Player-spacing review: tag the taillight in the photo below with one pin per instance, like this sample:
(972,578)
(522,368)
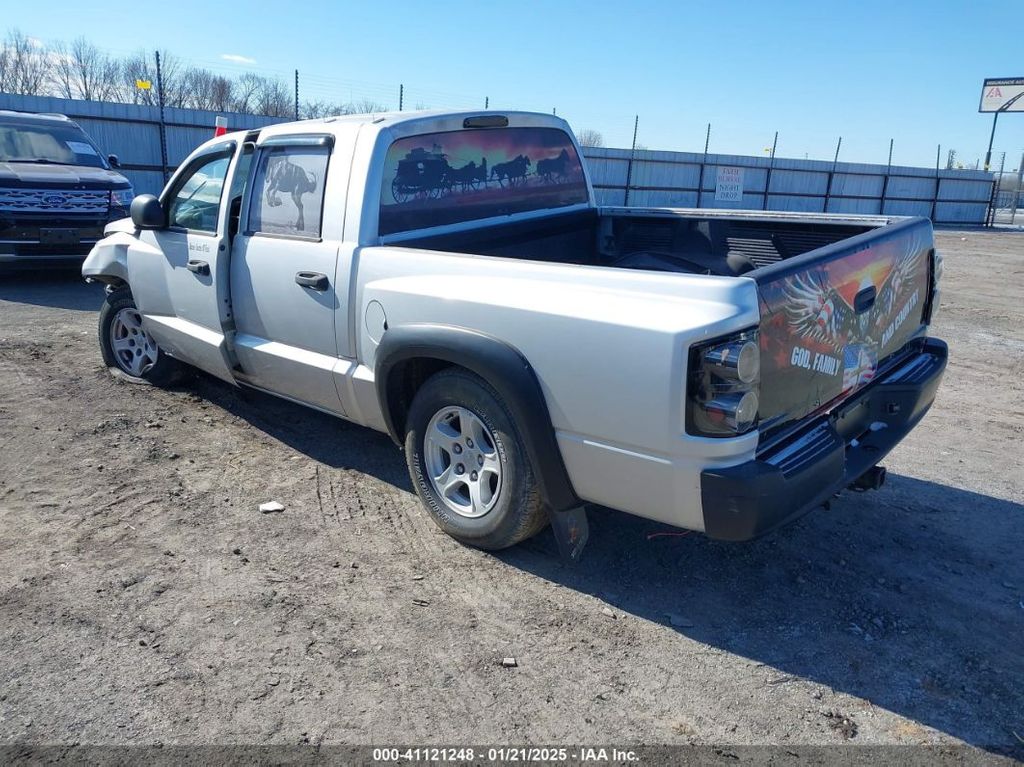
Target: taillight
(933,303)
(723,387)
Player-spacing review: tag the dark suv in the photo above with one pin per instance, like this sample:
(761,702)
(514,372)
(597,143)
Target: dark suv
(57,191)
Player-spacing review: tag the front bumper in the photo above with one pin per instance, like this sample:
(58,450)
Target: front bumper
(742,502)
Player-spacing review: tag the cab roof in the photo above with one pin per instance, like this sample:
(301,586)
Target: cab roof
(423,121)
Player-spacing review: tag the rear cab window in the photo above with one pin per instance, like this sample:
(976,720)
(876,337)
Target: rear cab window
(436,179)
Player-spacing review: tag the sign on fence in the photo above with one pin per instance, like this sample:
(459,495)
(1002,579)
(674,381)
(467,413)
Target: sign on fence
(729,186)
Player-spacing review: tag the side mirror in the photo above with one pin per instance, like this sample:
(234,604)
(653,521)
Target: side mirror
(147,213)
(113,161)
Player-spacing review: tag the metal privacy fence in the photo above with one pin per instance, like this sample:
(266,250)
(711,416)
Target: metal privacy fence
(692,180)
(132,132)
(655,178)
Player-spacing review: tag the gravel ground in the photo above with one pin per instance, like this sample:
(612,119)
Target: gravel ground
(145,599)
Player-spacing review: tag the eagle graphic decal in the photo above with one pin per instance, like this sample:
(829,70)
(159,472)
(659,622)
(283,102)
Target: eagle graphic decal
(816,345)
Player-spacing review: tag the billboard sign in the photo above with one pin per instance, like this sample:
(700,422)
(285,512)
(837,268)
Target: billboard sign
(1002,94)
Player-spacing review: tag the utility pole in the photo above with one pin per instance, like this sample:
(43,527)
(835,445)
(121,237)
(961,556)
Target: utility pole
(832,176)
(703,163)
(885,181)
(163,122)
(632,154)
(1016,191)
(487,102)
(401,96)
(296,94)
(771,166)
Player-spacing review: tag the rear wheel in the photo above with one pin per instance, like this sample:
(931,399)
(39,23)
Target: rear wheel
(468,464)
(128,350)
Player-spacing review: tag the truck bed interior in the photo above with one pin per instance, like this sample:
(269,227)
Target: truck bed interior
(666,243)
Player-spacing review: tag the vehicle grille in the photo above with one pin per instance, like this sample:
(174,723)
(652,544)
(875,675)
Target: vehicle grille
(47,200)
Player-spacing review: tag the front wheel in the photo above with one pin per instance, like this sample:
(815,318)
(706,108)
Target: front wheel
(128,350)
(468,464)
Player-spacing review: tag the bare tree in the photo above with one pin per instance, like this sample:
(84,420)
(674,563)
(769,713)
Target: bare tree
(312,110)
(274,98)
(246,88)
(367,106)
(83,71)
(317,109)
(589,137)
(171,73)
(25,65)
(204,89)
(139,67)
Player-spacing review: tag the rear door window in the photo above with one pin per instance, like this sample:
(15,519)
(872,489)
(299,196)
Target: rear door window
(288,191)
(446,178)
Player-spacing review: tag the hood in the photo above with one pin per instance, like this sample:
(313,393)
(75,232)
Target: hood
(122,225)
(60,176)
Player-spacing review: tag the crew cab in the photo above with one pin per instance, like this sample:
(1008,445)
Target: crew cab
(449,279)
(57,192)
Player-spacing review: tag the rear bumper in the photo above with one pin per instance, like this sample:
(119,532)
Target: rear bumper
(744,501)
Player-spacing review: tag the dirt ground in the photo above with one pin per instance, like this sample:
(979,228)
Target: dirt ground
(145,599)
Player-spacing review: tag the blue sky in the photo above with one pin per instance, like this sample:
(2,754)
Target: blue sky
(813,70)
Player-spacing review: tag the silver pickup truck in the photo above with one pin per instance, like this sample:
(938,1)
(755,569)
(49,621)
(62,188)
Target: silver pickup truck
(449,279)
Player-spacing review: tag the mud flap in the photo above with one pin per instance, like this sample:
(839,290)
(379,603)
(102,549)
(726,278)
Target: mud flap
(571,532)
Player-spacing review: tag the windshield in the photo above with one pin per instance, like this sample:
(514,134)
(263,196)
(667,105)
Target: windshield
(63,144)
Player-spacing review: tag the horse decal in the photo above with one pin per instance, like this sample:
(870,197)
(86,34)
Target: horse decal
(513,171)
(286,177)
(470,175)
(554,168)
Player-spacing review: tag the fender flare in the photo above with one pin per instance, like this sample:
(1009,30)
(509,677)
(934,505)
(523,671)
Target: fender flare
(504,368)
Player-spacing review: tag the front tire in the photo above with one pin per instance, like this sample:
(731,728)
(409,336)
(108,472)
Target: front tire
(128,350)
(468,464)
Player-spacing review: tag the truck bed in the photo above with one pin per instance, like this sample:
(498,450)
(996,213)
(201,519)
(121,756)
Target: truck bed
(818,345)
(698,242)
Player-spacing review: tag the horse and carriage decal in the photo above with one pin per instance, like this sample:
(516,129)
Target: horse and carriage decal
(466,175)
(431,174)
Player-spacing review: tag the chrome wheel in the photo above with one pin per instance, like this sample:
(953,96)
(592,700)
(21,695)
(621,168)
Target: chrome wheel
(135,351)
(462,461)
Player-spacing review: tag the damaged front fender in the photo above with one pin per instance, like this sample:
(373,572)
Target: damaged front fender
(107,262)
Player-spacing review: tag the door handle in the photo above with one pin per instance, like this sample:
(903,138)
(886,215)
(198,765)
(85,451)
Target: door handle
(199,267)
(313,280)
(865,299)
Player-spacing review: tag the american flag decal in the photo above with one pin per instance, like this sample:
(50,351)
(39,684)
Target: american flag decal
(859,365)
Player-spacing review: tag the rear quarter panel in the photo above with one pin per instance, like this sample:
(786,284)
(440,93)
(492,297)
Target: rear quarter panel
(609,348)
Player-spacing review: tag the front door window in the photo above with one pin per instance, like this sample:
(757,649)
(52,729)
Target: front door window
(196,203)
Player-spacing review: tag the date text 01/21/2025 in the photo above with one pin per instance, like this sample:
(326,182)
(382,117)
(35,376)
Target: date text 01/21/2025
(534,754)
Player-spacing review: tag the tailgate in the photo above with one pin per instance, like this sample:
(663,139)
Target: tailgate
(833,317)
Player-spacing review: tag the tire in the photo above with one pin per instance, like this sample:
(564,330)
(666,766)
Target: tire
(506,509)
(119,317)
